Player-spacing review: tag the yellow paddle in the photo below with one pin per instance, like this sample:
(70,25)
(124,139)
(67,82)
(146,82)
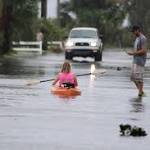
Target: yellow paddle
(92,72)
(34,82)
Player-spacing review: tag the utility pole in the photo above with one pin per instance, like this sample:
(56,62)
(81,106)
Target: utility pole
(44,9)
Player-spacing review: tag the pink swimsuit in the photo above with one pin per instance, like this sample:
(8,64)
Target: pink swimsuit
(66,77)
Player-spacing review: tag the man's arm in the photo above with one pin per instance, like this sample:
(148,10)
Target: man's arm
(142,51)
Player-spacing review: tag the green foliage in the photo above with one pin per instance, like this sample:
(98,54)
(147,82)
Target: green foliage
(65,19)
(106,15)
(22,23)
(139,11)
(24,19)
(51,29)
(17,21)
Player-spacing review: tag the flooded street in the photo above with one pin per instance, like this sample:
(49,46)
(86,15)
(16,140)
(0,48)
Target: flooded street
(31,118)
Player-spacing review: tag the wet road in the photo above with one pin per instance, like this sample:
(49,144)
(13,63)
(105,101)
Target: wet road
(31,118)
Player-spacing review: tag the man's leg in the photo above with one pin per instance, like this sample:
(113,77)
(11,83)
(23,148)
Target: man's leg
(140,88)
(137,75)
(136,84)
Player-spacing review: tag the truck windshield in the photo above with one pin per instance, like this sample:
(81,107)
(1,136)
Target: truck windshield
(83,34)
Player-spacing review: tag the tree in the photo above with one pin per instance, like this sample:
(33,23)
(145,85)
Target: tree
(106,15)
(17,20)
(6,19)
(139,12)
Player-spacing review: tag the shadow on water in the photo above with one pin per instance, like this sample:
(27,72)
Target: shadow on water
(86,64)
(137,105)
(83,61)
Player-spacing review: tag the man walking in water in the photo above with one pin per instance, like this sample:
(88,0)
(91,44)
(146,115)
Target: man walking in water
(139,58)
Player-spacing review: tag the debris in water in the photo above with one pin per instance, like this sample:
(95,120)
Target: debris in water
(128,130)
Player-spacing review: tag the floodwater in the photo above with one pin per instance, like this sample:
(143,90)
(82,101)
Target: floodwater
(31,118)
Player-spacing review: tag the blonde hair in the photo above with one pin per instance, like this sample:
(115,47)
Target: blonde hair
(66,67)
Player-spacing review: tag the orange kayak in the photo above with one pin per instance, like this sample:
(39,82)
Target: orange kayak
(60,91)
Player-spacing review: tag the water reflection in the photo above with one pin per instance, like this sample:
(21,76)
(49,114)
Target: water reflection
(93,68)
(20,66)
(137,105)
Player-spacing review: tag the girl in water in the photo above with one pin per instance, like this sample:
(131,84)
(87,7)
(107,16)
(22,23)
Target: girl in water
(66,77)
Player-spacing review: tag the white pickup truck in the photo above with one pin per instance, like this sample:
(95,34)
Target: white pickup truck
(84,42)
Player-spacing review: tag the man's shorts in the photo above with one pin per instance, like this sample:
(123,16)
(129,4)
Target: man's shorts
(137,73)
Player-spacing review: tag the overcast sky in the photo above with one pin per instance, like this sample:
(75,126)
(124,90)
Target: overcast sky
(52,8)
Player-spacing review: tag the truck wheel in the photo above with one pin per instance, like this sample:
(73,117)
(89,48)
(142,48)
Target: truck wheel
(68,55)
(98,56)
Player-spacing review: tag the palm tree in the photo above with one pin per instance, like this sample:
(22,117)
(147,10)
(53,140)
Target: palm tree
(6,25)
(1,8)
